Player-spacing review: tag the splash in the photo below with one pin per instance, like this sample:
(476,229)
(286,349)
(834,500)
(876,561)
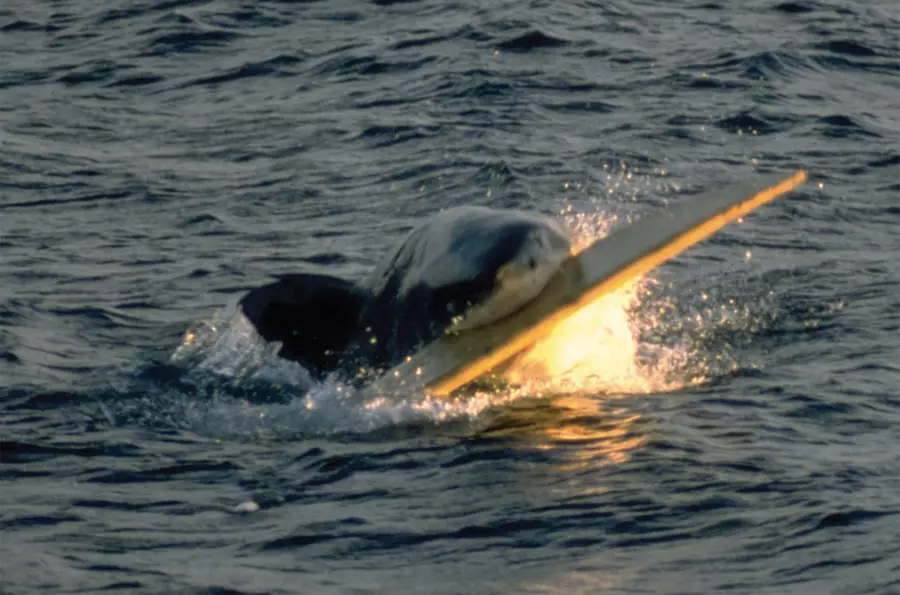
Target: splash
(599,349)
(288,403)
(227,345)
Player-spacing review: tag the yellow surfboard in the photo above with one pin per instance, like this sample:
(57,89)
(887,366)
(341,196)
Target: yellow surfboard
(456,359)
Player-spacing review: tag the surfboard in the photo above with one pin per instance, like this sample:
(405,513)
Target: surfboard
(457,359)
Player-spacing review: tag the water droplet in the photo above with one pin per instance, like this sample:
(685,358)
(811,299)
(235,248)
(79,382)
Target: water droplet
(247,507)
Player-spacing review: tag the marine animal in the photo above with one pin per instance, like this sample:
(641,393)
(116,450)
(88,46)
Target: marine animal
(461,269)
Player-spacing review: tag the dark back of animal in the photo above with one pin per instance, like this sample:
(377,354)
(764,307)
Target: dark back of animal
(315,317)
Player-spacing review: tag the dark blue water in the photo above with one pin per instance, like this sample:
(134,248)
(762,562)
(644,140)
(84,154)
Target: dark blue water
(741,432)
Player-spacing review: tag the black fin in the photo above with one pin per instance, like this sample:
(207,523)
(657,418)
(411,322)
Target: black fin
(313,316)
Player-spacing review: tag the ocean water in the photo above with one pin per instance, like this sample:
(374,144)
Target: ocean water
(730,423)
